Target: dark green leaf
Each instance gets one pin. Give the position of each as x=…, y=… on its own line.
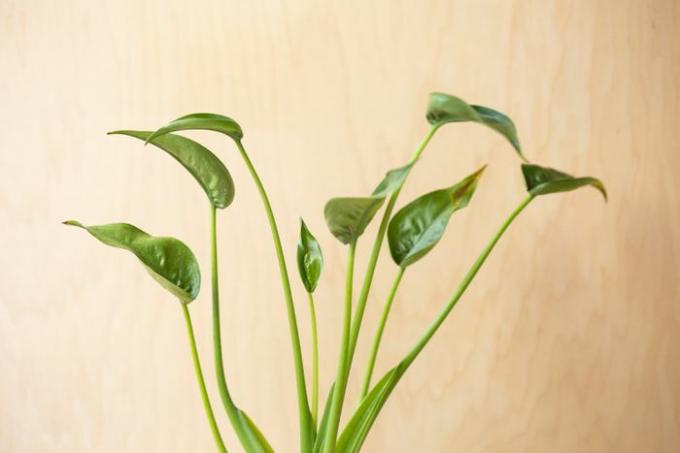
x=347, y=218
x=544, y=180
x=419, y=225
x=169, y=261
x=309, y=258
x=392, y=181
x=206, y=121
x=444, y=108
x=207, y=168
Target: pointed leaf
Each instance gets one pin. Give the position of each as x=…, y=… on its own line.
x=169, y=261
x=392, y=181
x=321, y=434
x=544, y=180
x=444, y=108
x=419, y=225
x=205, y=121
x=309, y=258
x=258, y=443
x=204, y=166
x=347, y=218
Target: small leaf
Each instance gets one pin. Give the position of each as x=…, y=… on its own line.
x=444, y=108
x=207, y=168
x=258, y=443
x=544, y=180
x=347, y=218
x=205, y=121
x=169, y=261
x=419, y=225
x=392, y=181
x=309, y=258
x=321, y=434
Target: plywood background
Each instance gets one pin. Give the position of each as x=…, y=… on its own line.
x=568, y=341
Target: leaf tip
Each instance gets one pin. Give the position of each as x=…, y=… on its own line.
x=72, y=223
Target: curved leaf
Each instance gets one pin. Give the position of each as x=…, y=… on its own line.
x=444, y=108
x=347, y=218
x=309, y=258
x=392, y=181
x=544, y=180
x=259, y=443
x=205, y=121
x=204, y=166
x=169, y=261
x=419, y=225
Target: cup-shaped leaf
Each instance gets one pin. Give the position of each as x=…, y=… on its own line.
x=168, y=260
x=204, y=121
x=392, y=181
x=544, y=180
x=309, y=258
x=203, y=165
x=444, y=108
x=347, y=218
x=419, y=225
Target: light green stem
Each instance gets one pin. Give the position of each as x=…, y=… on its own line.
x=379, y=333
x=306, y=431
x=341, y=378
x=375, y=253
x=315, y=360
x=201, y=383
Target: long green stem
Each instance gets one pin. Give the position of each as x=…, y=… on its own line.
x=201, y=383
x=306, y=431
x=341, y=378
x=379, y=333
x=375, y=253
x=315, y=360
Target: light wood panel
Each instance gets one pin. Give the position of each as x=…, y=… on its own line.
x=568, y=341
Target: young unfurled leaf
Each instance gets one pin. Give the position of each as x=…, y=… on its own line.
x=544, y=180
x=392, y=181
x=347, y=218
x=207, y=168
x=169, y=261
x=419, y=225
x=444, y=108
x=309, y=258
x=205, y=121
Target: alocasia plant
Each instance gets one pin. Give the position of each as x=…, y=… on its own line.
x=411, y=233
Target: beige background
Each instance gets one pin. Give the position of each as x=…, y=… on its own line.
x=569, y=339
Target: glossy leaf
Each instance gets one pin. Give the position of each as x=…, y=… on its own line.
x=444, y=108
x=347, y=218
x=419, y=225
x=203, y=165
x=309, y=258
x=392, y=181
x=544, y=180
x=204, y=121
x=169, y=261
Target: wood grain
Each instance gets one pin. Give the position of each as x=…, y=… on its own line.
x=569, y=339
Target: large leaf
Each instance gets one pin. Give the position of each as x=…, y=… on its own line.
x=205, y=121
x=544, y=180
x=444, y=108
x=392, y=181
x=347, y=218
x=169, y=261
x=309, y=258
x=207, y=168
x=419, y=225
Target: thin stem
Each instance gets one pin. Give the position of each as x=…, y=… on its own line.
x=315, y=360
x=341, y=378
x=375, y=253
x=379, y=333
x=306, y=434
x=201, y=383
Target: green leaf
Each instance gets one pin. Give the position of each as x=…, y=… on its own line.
x=321, y=435
x=419, y=225
x=258, y=443
x=347, y=218
x=544, y=180
x=207, y=168
x=444, y=108
x=205, y=121
x=309, y=258
x=392, y=181
x=169, y=261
